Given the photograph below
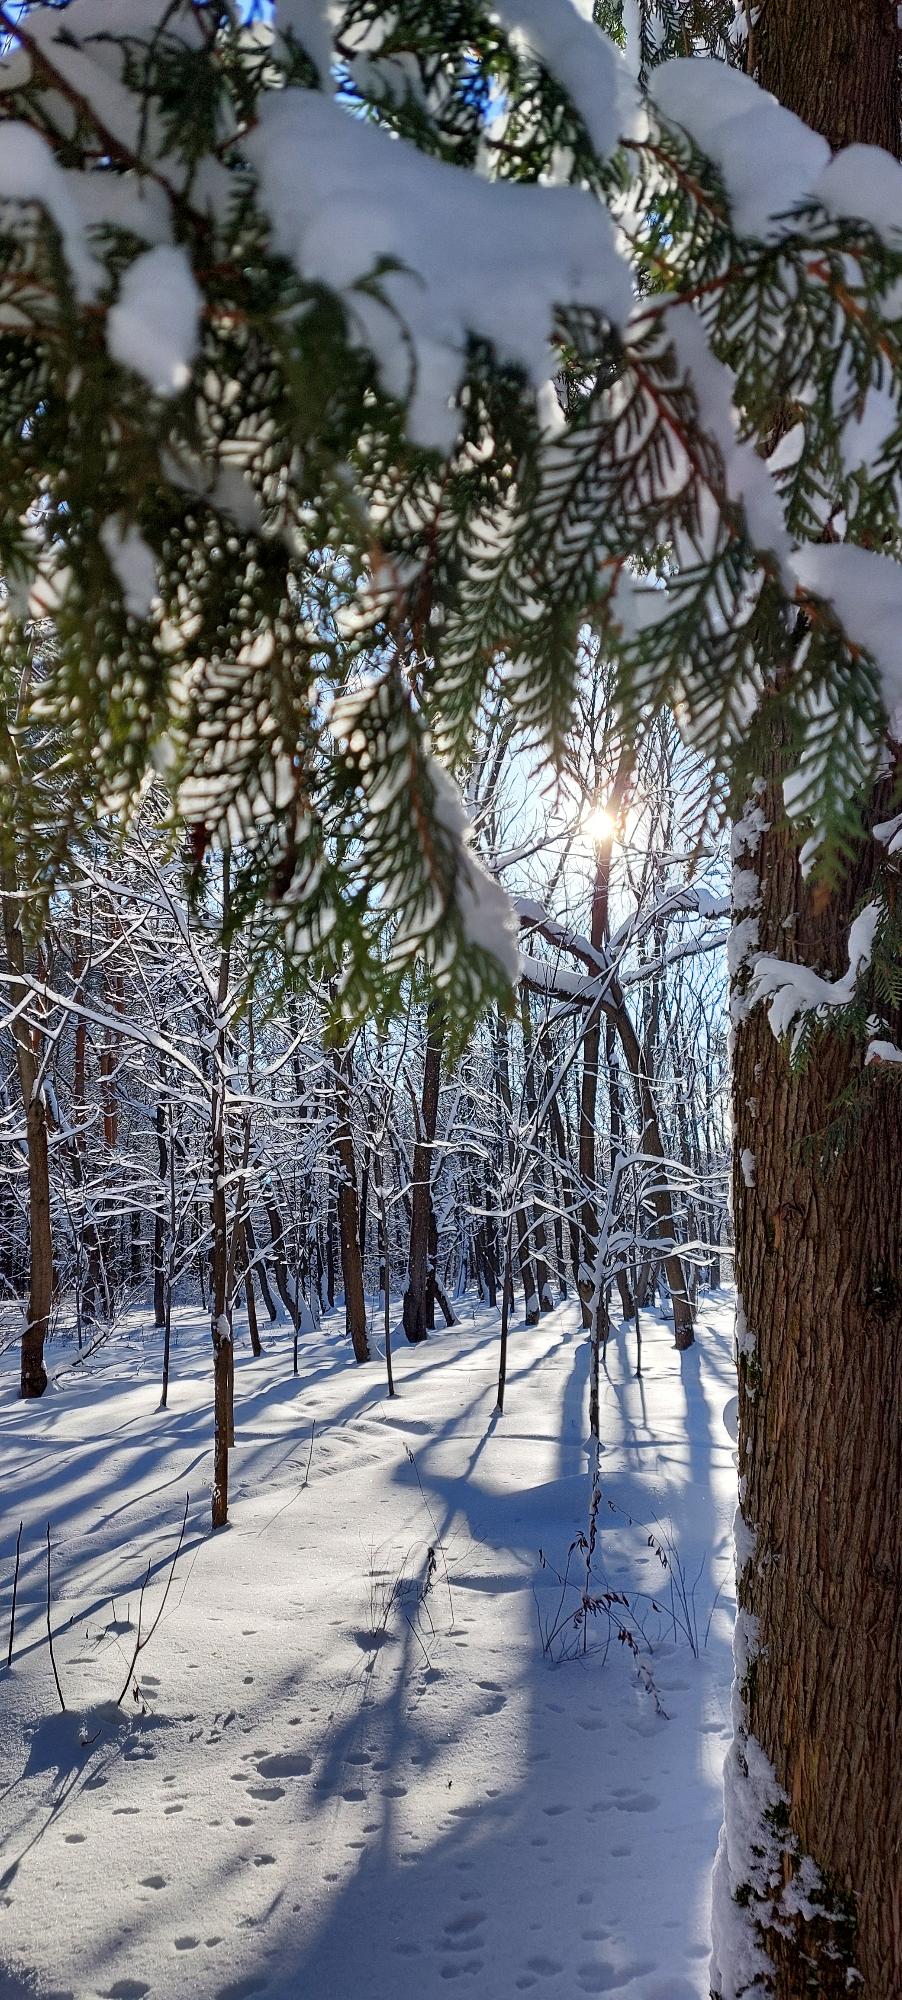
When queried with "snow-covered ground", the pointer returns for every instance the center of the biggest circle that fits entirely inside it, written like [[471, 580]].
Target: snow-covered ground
[[358, 1772]]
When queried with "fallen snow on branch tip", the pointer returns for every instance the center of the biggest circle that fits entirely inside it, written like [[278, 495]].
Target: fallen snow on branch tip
[[795, 990]]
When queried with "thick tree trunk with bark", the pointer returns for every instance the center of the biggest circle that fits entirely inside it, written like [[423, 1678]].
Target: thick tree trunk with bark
[[819, 1270], [835, 63], [414, 1312]]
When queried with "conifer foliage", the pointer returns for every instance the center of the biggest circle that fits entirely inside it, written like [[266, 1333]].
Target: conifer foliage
[[352, 365]]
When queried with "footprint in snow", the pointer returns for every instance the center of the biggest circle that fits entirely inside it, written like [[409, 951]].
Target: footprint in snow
[[603, 1977], [287, 1764], [464, 1924]]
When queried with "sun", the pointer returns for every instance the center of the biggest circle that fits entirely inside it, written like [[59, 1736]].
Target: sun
[[600, 825]]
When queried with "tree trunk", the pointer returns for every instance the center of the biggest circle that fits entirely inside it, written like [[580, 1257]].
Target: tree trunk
[[568, 1190], [600, 932], [159, 1223], [221, 1312], [259, 1267], [250, 1301], [615, 1103], [652, 1143], [819, 1272], [540, 1202], [348, 1216], [33, 1374], [520, 1222], [414, 1311], [330, 1252]]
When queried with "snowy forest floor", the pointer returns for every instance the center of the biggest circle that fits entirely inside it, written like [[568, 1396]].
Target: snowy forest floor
[[353, 1776]]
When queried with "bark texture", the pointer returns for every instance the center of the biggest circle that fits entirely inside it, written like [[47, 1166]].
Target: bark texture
[[834, 62], [819, 1268], [819, 1248]]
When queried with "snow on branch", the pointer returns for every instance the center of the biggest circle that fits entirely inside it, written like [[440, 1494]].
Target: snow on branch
[[795, 990]]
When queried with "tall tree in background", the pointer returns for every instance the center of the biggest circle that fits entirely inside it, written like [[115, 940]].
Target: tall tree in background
[[33, 1378], [420, 1289], [349, 1211], [818, 1214]]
